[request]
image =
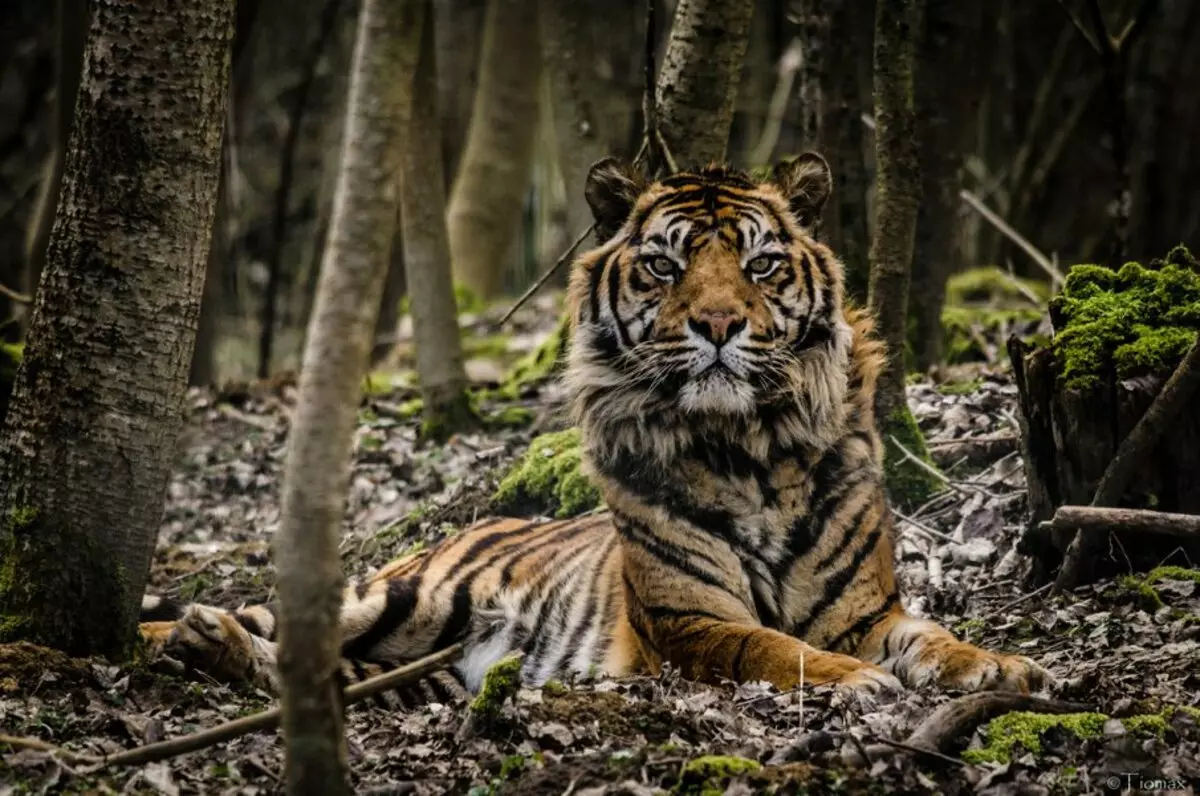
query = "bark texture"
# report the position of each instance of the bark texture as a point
(440, 370)
(458, 25)
(97, 406)
(697, 85)
(945, 108)
(337, 346)
(489, 192)
(582, 130)
(897, 187)
(844, 99)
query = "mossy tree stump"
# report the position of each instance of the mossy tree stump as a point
(1118, 336)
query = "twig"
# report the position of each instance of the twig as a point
(266, 720)
(1131, 454)
(920, 526)
(962, 487)
(1084, 33)
(789, 64)
(13, 295)
(1022, 598)
(1002, 226)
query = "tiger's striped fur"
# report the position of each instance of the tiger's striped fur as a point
(725, 396)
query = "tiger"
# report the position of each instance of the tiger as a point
(724, 390)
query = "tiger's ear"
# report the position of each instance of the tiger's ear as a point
(807, 183)
(611, 190)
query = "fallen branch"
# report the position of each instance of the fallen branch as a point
(1131, 454)
(947, 726)
(266, 720)
(1099, 520)
(1036, 254)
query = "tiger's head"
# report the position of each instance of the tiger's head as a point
(708, 308)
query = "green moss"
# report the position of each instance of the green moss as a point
(960, 326)
(553, 688)
(511, 417)
(1022, 729)
(465, 301)
(1145, 596)
(410, 408)
(1155, 725)
(500, 684)
(959, 387)
(986, 301)
(539, 364)
(992, 283)
(492, 346)
(548, 479)
(704, 775)
(1134, 321)
(908, 484)
(1173, 573)
(376, 384)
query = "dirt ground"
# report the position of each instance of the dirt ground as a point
(1125, 648)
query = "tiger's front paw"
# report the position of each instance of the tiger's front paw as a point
(211, 641)
(974, 669)
(869, 680)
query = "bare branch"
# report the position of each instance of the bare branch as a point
(1079, 26)
(1133, 29)
(13, 295)
(1042, 261)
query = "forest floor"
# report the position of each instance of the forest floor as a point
(1126, 647)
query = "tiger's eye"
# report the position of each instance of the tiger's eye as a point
(661, 268)
(762, 267)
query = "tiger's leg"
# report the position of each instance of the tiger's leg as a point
(921, 652)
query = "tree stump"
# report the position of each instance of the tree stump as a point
(1069, 436)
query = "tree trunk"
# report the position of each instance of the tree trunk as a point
(337, 346)
(395, 287)
(945, 107)
(842, 140)
(579, 96)
(72, 24)
(90, 436)
(897, 188)
(1069, 437)
(440, 370)
(697, 85)
(458, 26)
(489, 192)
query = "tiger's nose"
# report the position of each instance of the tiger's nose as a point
(716, 326)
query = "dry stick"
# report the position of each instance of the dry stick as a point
(1131, 454)
(789, 64)
(1096, 519)
(13, 295)
(266, 720)
(1002, 226)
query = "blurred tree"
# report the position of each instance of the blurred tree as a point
(946, 107)
(898, 191)
(395, 287)
(570, 34)
(488, 197)
(440, 371)
(697, 85)
(71, 23)
(459, 28)
(89, 439)
(336, 351)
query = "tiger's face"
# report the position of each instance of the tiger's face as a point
(708, 296)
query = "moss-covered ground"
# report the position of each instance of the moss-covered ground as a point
(984, 304)
(1136, 320)
(548, 479)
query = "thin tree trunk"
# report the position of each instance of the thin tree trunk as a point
(842, 139)
(337, 346)
(72, 23)
(898, 187)
(98, 402)
(493, 177)
(459, 28)
(581, 129)
(697, 85)
(440, 370)
(395, 286)
(945, 106)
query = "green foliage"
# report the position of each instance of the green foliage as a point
(703, 775)
(539, 364)
(908, 484)
(548, 479)
(1135, 321)
(986, 301)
